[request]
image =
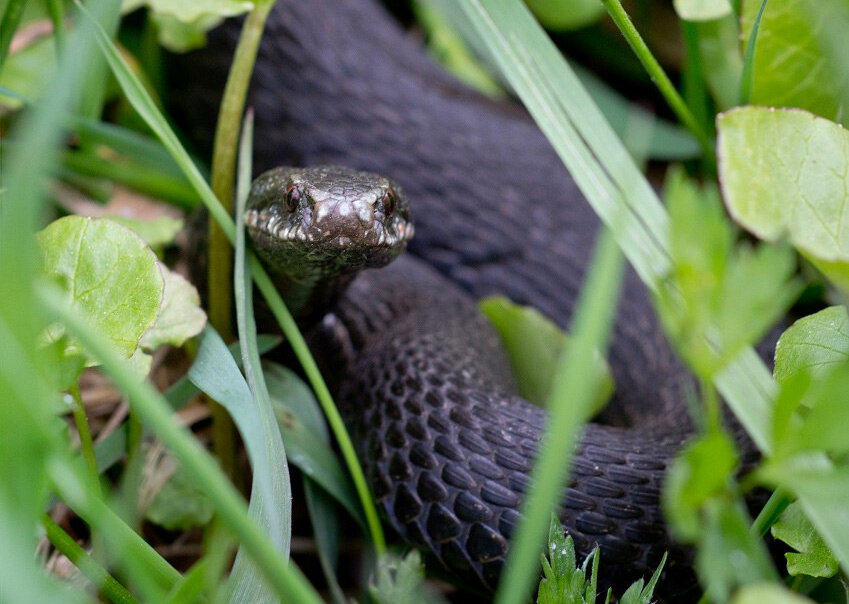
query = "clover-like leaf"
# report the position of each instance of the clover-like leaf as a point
(785, 173)
(534, 344)
(109, 274)
(814, 557)
(790, 67)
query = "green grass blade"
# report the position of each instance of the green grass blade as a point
(95, 573)
(31, 441)
(8, 25)
(569, 405)
(147, 109)
(748, 75)
(287, 581)
(604, 171)
(271, 492)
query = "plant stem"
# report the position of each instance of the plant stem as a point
(337, 426)
(223, 176)
(86, 443)
(95, 573)
(658, 76)
(777, 503)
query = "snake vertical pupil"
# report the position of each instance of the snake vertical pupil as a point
(293, 197)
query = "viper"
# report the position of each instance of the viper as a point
(446, 443)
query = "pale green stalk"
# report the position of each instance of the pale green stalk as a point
(220, 269)
(142, 102)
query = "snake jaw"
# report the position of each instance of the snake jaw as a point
(326, 221)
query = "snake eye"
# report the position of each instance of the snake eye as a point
(293, 197)
(389, 202)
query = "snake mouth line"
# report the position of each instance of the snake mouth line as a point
(277, 228)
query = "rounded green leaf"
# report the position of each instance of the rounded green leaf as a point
(786, 173)
(108, 273)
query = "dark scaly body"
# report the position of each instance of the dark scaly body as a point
(447, 447)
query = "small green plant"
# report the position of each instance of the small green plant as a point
(564, 582)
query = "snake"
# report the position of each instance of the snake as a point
(446, 444)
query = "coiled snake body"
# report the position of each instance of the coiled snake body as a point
(447, 447)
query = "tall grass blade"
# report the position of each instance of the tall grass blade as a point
(606, 174)
(570, 404)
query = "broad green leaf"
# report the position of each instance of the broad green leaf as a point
(108, 274)
(759, 593)
(823, 490)
(814, 557)
(190, 10)
(216, 373)
(784, 173)
(566, 14)
(178, 35)
(702, 10)
(179, 504)
(816, 344)
(790, 68)
(719, 49)
(700, 473)
(180, 317)
(534, 344)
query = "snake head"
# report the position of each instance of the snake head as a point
(326, 221)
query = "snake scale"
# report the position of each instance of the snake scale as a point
(446, 445)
